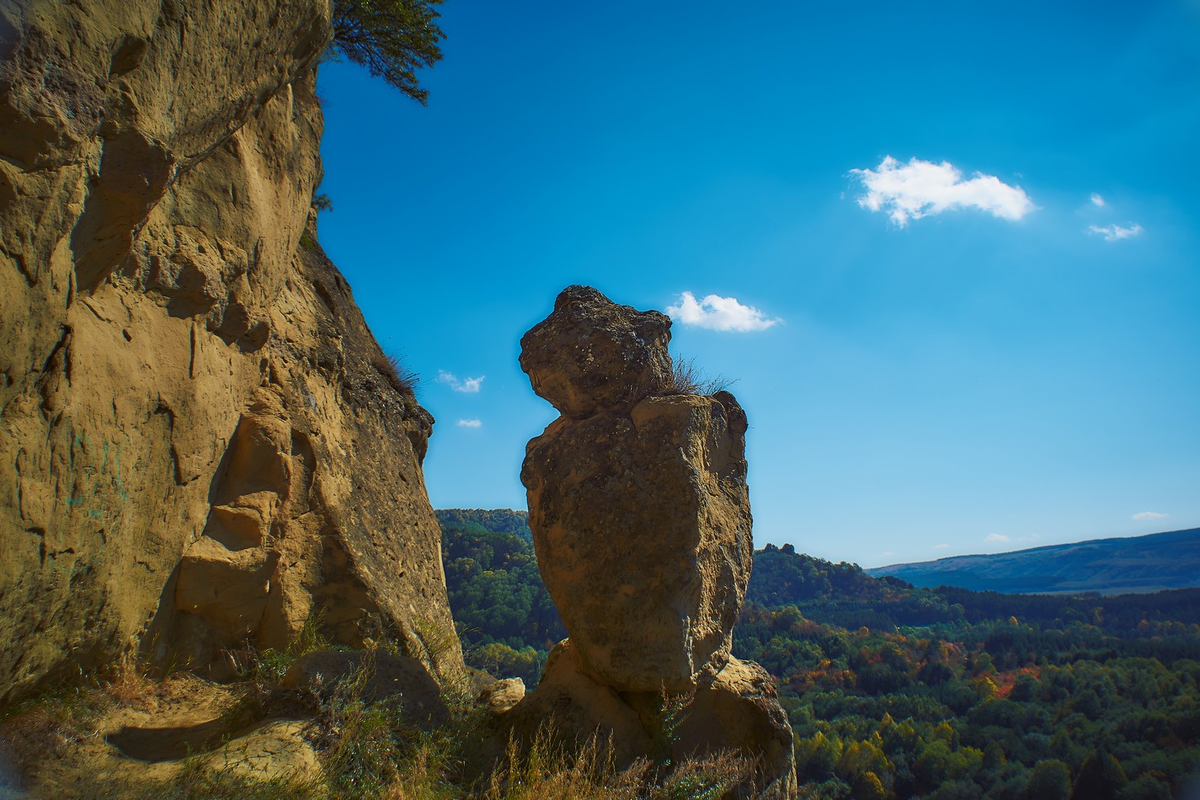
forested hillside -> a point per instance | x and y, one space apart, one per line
504 616
845 595
1105 566
896 691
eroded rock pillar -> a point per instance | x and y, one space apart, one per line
641 521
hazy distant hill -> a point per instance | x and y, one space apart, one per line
1108 566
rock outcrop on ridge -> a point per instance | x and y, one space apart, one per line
201 444
641 521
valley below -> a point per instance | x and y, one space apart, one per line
894 690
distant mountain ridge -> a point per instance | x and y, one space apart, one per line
1140 564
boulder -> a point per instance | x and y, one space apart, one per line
740 711
571 705
641 524
502 695
593 355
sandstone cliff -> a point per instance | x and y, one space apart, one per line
201 444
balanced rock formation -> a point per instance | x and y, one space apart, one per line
592 355
201 444
641 521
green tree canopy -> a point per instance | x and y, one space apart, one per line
391 38
1050 780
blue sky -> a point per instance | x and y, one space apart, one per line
956 245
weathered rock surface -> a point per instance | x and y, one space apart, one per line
641 521
641 525
502 695
200 441
372 676
737 711
593 355
144 745
740 711
579 706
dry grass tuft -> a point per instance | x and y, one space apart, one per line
62 716
687 378
707 778
401 378
547 770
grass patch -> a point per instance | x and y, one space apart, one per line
267 667
400 377
200 778
687 378
364 749
547 770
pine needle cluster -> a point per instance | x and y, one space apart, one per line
391 38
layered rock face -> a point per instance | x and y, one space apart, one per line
640 513
201 444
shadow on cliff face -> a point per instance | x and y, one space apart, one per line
135 172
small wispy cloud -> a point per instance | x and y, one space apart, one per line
470 423
996 537
1098 201
467 386
942 546
922 188
1149 515
718 314
1115 233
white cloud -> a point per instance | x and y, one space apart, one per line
1149 515
996 537
941 547
1114 233
468 386
921 188
718 313
1097 200
470 423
